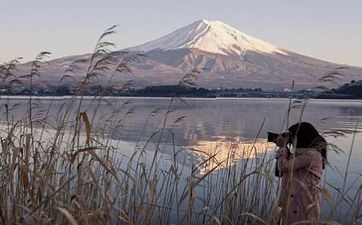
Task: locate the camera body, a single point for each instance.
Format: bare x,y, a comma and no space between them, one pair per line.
272,137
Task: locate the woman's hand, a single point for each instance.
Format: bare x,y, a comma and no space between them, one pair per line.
281,141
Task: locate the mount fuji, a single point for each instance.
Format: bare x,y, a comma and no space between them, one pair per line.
229,58
209,36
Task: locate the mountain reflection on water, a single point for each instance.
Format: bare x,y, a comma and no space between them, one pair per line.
231,121
222,152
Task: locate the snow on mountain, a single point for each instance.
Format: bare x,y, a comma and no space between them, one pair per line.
209,36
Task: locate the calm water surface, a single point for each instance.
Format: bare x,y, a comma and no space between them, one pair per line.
136,119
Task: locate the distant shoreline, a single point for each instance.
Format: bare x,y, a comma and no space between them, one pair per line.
20,97
181,91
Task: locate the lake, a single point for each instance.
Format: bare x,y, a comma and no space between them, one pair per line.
211,126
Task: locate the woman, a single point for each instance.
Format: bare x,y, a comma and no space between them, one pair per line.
302,171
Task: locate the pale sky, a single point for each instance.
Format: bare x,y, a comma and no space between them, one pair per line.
325,29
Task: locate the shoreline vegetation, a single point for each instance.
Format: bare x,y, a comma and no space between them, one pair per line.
76,174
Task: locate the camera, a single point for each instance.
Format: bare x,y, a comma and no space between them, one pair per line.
272,137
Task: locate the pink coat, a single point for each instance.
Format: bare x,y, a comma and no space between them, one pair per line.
299,194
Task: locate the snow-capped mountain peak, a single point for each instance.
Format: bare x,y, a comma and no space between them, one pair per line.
229,59
209,36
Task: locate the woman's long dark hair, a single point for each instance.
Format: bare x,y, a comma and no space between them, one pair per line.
308,137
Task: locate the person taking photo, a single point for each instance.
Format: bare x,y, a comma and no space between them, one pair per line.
301,171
